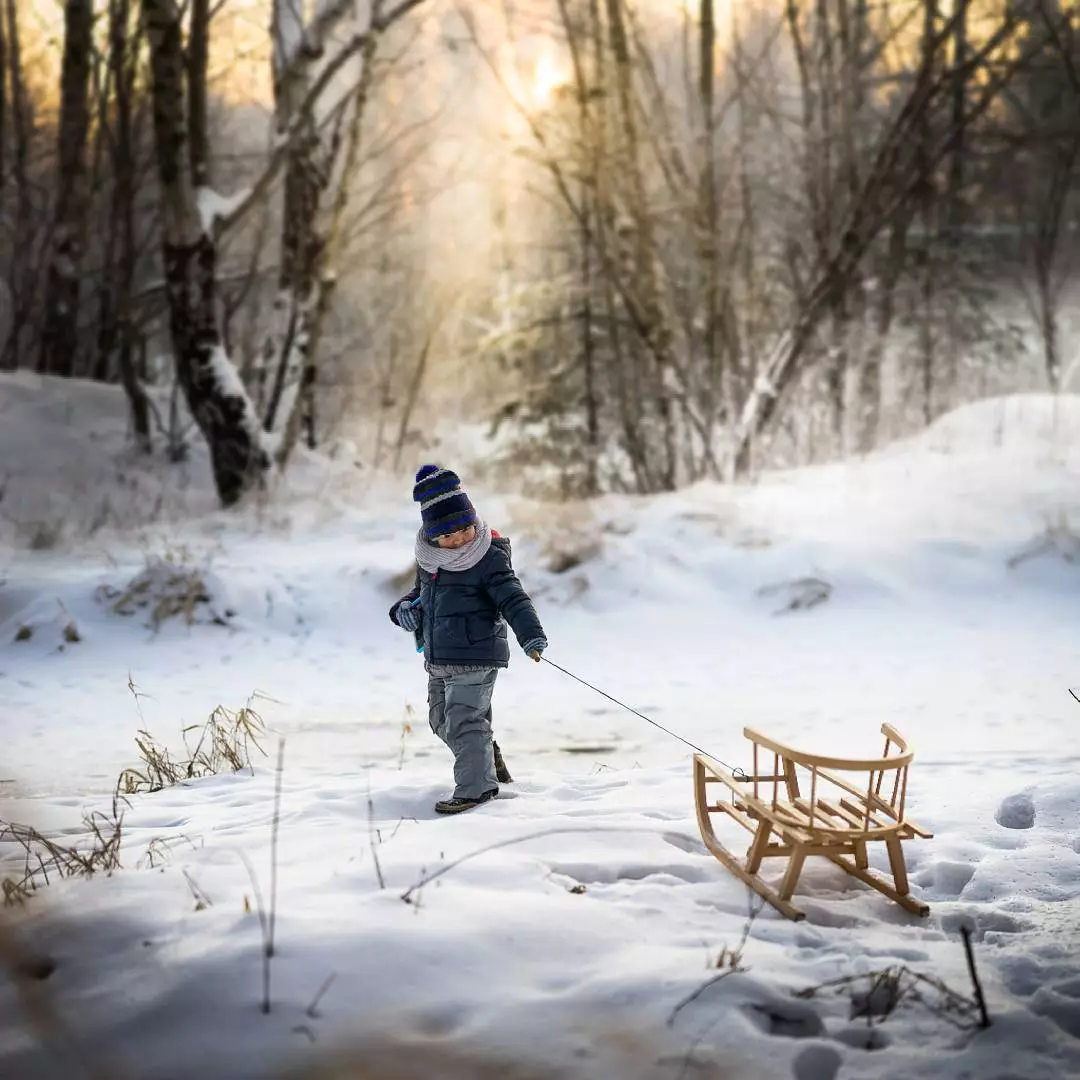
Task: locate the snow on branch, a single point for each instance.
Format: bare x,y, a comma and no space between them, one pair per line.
214,207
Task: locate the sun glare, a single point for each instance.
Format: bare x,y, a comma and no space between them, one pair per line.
548,76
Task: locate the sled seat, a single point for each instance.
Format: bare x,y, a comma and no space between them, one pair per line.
848,804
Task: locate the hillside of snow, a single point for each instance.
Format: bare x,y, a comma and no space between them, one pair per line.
933,585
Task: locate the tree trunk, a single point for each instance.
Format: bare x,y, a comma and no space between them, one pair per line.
60,337
118,334
868,372
654,325
958,161
22,132
3,102
285,350
213,391
709,225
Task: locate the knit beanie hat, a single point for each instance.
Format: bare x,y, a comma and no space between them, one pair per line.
444,507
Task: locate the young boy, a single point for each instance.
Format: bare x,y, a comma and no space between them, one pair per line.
466,592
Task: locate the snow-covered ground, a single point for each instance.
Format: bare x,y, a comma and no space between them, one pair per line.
565,950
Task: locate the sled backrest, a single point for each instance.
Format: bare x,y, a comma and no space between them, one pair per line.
867,794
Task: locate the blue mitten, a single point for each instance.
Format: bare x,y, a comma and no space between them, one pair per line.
534,647
408,616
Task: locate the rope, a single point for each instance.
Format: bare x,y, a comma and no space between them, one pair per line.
735,771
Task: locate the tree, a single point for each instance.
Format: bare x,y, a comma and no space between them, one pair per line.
60,333
194,219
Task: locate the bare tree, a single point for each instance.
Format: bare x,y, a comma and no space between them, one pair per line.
60,332
1044,102
897,168
195,219
22,272
116,330
214,394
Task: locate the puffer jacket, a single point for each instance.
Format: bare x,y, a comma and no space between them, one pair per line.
465,612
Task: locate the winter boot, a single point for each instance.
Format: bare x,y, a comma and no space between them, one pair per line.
457,806
502,773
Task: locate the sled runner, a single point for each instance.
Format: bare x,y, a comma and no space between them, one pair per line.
850,803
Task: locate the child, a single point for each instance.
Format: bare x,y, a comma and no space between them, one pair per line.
465,589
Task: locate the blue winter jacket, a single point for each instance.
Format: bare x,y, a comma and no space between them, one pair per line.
465,612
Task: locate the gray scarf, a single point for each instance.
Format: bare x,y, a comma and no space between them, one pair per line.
433,558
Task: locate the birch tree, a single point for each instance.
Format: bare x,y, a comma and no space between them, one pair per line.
195,219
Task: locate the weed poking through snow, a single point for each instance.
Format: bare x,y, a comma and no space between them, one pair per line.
224,744
44,859
801,594
877,995
168,587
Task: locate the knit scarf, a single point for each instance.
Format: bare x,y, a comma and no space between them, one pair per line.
433,558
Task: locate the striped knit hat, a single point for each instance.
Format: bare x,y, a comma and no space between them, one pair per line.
444,507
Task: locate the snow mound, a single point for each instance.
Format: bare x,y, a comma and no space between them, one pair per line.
1013,422
170,587
71,470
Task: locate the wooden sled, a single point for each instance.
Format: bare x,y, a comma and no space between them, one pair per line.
844,811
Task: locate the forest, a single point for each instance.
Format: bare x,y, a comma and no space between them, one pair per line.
644,243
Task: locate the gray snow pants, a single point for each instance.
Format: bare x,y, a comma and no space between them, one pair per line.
459,711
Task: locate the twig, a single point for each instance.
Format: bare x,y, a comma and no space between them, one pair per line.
372,840
201,899
736,960
327,983
274,826
426,879
984,1017
690,998
269,923
292,134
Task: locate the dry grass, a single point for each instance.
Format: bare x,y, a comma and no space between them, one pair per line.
877,995
224,744
568,534
1058,539
399,584
801,594
44,859
69,630
170,586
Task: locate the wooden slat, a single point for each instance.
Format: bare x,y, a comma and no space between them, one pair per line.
732,812
845,815
863,810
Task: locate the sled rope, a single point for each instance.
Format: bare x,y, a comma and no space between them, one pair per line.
735,771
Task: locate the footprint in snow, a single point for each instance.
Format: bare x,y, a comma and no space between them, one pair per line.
1061,1004
787,1019
817,1063
983,923
688,844
441,1021
946,878
861,1037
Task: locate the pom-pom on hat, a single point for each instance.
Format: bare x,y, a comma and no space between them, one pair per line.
444,506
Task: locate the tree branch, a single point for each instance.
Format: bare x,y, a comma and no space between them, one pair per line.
286,141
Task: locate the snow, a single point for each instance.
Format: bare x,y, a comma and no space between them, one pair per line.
586,909
213,206
230,385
